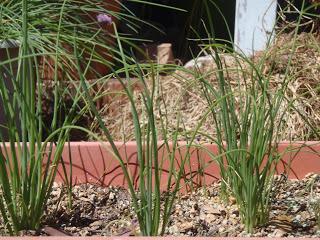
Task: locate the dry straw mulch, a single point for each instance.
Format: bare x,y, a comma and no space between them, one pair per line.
180,94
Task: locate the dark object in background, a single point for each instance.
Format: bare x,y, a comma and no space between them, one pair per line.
288,17
65,104
8,50
176,26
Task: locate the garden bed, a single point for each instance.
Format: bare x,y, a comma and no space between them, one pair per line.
106,211
94,162
101,205
101,210
220,148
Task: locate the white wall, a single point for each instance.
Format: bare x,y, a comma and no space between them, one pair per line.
255,20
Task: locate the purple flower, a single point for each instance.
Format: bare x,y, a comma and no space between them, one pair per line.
104,18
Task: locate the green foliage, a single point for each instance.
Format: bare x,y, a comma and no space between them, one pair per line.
66,34
247,116
147,199
52,20
24,185
31,31
246,138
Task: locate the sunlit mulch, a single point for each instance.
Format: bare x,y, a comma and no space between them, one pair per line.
179,93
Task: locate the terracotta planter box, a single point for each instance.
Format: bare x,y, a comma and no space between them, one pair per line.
94,162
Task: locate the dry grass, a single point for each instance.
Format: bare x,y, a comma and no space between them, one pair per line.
304,85
180,93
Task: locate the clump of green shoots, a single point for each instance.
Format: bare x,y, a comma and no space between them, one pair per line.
245,124
152,217
43,36
247,116
28,163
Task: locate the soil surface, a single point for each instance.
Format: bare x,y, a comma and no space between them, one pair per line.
107,211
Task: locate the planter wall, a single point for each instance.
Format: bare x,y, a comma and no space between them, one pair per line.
94,162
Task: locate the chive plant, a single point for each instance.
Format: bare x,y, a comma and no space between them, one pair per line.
248,120
152,217
28,162
246,139
91,18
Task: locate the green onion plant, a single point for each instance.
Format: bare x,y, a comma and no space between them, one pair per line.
153,217
28,163
31,31
246,140
248,118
